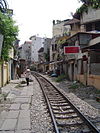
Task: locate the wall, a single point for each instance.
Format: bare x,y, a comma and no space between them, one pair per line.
41,57
95,68
75,29
93,80
65,68
11,53
25,51
81,78
5,77
0,76
47,43
70,71
37,43
9,70
92,15
59,29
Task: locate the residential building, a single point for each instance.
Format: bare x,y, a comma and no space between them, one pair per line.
25,51
60,29
25,55
44,55
8,69
74,26
41,60
83,64
47,44
37,43
78,55
73,53
91,19
41,55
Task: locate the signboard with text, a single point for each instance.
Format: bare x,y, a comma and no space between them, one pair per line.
71,51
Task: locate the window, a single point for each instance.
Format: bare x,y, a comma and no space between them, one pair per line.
89,27
55,46
97,26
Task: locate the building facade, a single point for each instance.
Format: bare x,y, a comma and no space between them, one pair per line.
60,29
37,43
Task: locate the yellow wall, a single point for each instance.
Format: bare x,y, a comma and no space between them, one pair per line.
5,74
11,53
93,80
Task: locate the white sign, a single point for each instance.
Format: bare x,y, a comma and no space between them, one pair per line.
72,56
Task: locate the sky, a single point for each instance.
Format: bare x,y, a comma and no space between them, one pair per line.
34,17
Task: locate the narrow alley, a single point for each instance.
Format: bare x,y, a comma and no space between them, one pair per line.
50,66
25,111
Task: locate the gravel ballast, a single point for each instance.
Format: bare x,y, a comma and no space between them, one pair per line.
72,94
40,119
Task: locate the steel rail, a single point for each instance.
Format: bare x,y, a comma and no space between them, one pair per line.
89,123
50,110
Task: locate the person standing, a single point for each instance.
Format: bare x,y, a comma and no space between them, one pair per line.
27,76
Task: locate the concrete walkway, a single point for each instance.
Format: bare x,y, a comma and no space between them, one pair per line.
16,117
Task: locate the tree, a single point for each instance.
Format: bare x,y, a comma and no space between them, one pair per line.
92,3
86,3
10,31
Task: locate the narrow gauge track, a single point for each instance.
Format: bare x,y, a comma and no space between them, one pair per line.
65,116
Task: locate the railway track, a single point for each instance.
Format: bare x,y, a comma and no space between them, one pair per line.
65,116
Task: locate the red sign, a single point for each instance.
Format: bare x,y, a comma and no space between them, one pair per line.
71,49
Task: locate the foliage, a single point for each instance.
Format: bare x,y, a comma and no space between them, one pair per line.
9,31
76,85
60,78
47,55
86,3
61,41
92,3
82,9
